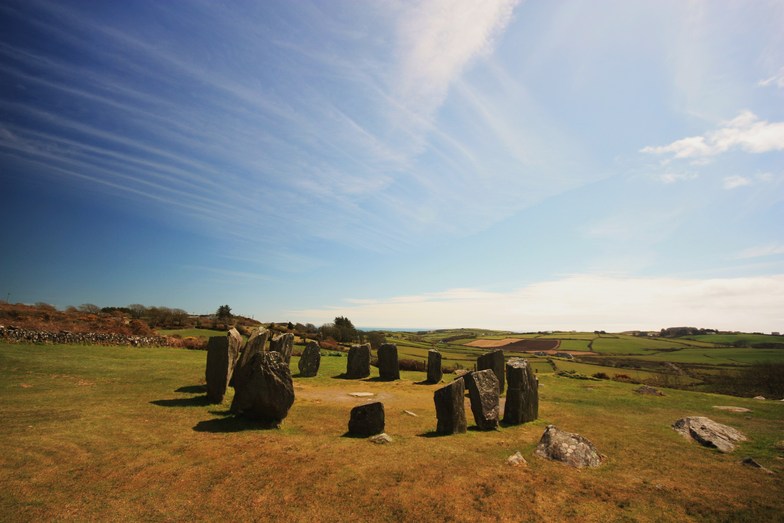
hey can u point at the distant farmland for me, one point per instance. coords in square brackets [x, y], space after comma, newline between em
[517, 345]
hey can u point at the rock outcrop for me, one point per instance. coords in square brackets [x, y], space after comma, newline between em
[310, 361]
[571, 449]
[522, 397]
[493, 360]
[268, 392]
[358, 364]
[708, 433]
[483, 392]
[434, 371]
[222, 354]
[367, 420]
[284, 344]
[450, 408]
[388, 365]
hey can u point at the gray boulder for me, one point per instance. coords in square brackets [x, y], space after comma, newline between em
[310, 361]
[256, 343]
[388, 366]
[367, 420]
[434, 371]
[358, 364]
[493, 360]
[483, 392]
[571, 449]
[450, 408]
[708, 433]
[522, 396]
[268, 392]
[222, 354]
[284, 344]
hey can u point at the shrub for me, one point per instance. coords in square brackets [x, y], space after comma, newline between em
[601, 376]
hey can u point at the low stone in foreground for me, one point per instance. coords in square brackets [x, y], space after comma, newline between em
[310, 361]
[450, 408]
[708, 433]
[268, 392]
[571, 449]
[367, 420]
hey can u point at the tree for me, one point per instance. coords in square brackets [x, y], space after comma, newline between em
[224, 313]
[376, 339]
[89, 308]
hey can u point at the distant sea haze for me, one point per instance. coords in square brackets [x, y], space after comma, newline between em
[394, 329]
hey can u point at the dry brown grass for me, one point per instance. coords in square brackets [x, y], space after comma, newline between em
[111, 434]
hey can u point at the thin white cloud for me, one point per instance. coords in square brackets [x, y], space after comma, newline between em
[759, 251]
[582, 302]
[777, 80]
[733, 182]
[674, 177]
[745, 132]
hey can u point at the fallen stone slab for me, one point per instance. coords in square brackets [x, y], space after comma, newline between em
[651, 391]
[367, 420]
[566, 447]
[414, 414]
[361, 394]
[388, 365]
[730, 408]
[310, 361]
[483, 392]
[751, 462]
[493, 360]
[516, 460]
[708, 433]
[268, 392]
[358, 362]
[762, 398]
[450, 408]
[380, 439]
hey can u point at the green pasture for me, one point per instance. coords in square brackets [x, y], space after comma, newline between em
[568, 344]
[729, 339]
[718, 356]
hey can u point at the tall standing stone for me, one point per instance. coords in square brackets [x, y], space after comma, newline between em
[222, 354]
[483, 392]
[358, 365]
[268, 392]
[310, 360]
[493, 360]
[450, 408]
[388, 366]
[256, 343]
[522, 397]
[434, 370]
[367, 420]
[284, 344]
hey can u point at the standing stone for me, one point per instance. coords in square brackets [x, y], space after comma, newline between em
[493, 360]
[483, 392]
[388, 366]
[310, 360]
[569, 448]
[255, 344]
[434, 371]
[284, 344]
[268, 392]
[522, 397]
[222, 354]
[358, 365]
[367, 420]
[450, 408]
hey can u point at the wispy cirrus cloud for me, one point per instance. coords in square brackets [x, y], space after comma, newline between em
[759, 251]
[746, 132]
[776, 80]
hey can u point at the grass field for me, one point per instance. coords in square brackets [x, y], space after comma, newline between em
[118, 433]
[729, 339]
[193, 333]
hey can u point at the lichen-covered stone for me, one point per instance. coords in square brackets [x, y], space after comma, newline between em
[256, 343]
[493, 360]
[268, 392]
[522, 396]
[358, 363]
[434, 371]
[566, 447]
[310, 361]
[284, 344]
[483, 392]
[388, 365]
[450, 408]
[708, 433]
[367, 420]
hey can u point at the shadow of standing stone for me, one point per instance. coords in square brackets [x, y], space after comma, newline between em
[283, 344]
[483, 392]
[310, 361]
[450, 408]
[493, 360]
[388, 366]
[358, 363]
[434, 371]
[222, 354]
[522, 397]
[366, 420]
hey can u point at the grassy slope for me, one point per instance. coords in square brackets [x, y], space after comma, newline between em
[122, 433]
[195, 333]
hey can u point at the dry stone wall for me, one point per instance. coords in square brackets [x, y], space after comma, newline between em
[15, 334]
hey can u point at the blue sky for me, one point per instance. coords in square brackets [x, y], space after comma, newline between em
[519, 165]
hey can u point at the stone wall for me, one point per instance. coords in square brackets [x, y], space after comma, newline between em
[15, 334]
